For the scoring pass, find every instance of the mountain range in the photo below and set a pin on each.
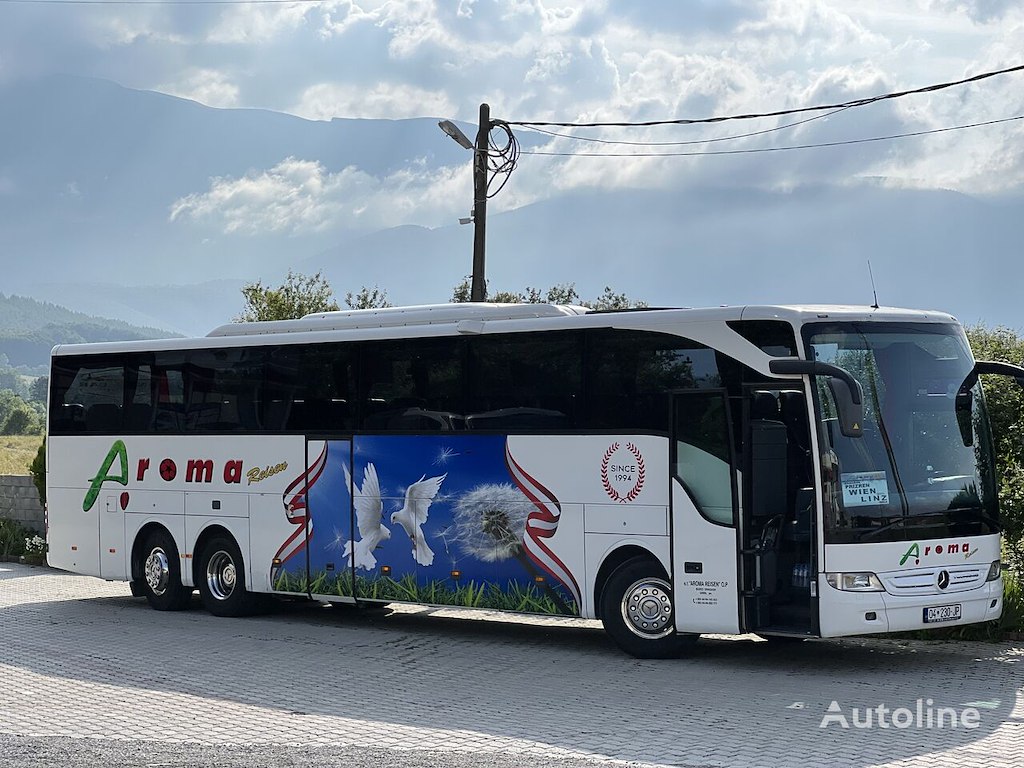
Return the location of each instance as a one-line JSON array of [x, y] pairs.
[[90, 172], [29, 329]]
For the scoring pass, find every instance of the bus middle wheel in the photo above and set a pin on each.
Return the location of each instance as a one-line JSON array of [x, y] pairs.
[[221, 579], [161, 573]]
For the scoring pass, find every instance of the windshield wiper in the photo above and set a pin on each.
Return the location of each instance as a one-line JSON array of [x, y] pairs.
[[978, 512], [902, 521]]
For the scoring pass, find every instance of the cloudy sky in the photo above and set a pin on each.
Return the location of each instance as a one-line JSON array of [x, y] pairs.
[[554, 60]]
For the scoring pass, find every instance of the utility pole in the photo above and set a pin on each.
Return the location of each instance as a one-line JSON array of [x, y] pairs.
[[478, 286]]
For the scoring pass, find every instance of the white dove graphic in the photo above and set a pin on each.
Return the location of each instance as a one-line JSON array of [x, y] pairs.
[[369, 509], [413, 515]]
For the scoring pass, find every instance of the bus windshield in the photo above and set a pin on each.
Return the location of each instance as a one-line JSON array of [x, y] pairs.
[[918, 471]]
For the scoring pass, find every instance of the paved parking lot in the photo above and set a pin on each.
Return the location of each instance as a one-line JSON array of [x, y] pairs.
[[87, 670]]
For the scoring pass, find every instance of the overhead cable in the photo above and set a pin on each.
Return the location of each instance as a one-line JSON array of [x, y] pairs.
[[787, 148], [777, 113]]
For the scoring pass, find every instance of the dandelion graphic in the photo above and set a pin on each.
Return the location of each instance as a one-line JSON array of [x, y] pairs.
[[490, 523], [445, 534], [444, 454], [338, 542]]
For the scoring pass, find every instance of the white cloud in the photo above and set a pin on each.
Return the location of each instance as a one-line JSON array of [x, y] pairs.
[[207, 86], [301, 196], [255, 24], [381, 100], [571, 60]]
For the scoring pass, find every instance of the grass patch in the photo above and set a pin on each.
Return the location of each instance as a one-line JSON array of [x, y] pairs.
[[17, 452], [469, 594]]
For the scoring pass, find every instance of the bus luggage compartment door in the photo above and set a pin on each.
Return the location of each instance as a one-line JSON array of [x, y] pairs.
[[113, 558]]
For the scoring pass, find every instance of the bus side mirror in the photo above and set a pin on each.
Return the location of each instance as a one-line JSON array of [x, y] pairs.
[[965, 397], [846, 390], [964, 414]]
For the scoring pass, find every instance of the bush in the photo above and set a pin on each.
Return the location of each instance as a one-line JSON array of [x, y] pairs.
[[38, 471], [1012, 619], [1005, 404], [35, 549], [12, 538]]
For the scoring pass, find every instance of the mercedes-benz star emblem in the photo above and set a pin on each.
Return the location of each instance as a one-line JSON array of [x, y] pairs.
[[943, 581]]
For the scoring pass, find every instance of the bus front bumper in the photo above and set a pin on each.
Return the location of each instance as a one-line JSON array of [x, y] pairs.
[[844, 613]]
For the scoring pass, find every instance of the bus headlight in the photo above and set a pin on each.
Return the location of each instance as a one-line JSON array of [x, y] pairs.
[[994, 570], [855, 582]]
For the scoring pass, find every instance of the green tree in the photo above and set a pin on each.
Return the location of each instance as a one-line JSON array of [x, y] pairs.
[[1005, 402], [20, 421], [10, 380], [37, 469], [17, 417], [37, 391], [299, 295], [368, 298], [561, 293]]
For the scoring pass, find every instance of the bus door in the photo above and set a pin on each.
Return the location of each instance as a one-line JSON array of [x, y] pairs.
[[777, 523], [704, 509], [316, 556]]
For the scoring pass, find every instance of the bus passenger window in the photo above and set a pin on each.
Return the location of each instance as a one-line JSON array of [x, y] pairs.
[[702, 460]]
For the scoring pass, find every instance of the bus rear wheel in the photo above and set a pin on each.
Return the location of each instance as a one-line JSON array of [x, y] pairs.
[[221, 579], [638, 612], [161, 573]]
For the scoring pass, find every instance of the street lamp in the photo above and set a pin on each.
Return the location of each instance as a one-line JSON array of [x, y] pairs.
[[456, 133], [478, 289]]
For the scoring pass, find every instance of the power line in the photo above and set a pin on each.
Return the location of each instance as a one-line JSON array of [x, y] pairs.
[[778, 113], [163, 2], [774, 149], [622, 142]]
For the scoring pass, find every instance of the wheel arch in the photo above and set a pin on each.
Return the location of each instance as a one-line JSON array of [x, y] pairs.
[[614, 559]]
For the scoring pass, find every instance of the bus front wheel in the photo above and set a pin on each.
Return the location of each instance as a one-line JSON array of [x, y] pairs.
[[221, 579], [638, 612], [161, 573]]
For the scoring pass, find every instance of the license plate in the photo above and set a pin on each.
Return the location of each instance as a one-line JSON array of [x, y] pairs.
[[939, 613]]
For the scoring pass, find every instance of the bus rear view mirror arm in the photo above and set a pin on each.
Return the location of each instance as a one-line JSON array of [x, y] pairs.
[[999, 369], [846, 390], [965, 398]]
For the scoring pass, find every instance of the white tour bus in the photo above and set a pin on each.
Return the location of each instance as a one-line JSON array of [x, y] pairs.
[[789, 471]]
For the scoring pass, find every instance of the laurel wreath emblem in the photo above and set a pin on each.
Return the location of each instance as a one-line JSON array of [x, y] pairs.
[[641, 474]]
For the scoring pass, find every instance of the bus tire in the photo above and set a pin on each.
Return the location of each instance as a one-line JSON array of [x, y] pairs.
[[638, 612], [221, 579], [161, 573]]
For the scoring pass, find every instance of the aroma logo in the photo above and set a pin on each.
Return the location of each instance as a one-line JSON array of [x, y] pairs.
[[116, 453], [914, 551], [115, 468]]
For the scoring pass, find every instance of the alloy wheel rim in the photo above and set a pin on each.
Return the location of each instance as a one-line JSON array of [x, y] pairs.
[[647, 609], [221, 575], [157, 571]]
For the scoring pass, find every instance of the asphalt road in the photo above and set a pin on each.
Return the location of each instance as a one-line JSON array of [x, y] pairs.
[[90, 676]]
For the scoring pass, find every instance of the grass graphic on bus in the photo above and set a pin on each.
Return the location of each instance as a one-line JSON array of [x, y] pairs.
[[515, 596], [442, 520]]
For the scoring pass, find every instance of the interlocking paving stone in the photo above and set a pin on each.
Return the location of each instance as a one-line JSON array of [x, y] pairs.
[[81, 659]]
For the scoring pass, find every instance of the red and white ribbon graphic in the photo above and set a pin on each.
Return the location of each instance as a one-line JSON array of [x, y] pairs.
[[295, 509], [541, 524]]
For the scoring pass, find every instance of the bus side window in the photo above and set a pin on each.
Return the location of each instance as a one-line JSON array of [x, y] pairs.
[[702, 459], [87, 397], [523, 382], [412, 385]]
